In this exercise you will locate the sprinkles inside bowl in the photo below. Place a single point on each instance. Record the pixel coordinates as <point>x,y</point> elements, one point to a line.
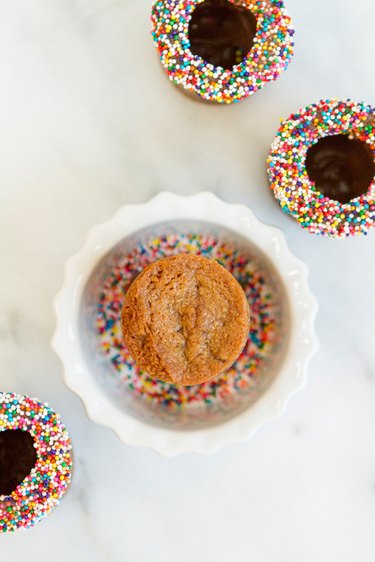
<point>245,379</point>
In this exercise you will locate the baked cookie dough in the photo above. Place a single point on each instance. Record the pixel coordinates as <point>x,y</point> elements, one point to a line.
<point>185,319</point>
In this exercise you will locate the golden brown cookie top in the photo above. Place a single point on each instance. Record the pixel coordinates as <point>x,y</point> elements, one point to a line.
<point>185,319</point>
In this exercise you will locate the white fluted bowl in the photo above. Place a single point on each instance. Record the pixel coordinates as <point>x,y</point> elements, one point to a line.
<point>197,419</point>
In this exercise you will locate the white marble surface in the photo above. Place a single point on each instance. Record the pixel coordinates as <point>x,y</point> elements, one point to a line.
<point>89,122</point>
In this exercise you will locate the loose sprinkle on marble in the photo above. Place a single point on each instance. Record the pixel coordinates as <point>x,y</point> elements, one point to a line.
<point>47,482</point>
<point>289,180</point>
<point>263,338</point>
<point>270,55</point>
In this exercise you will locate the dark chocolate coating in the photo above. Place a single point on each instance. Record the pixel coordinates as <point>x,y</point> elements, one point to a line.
<point>221,33</point>
<point>342,168</point>
<point>17,459</point>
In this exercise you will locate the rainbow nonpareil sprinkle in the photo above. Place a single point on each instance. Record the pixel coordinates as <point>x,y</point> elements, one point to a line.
<point>270,55</point>
<point>263,337</point>
<point>296,194</point>
<point>47,482</point>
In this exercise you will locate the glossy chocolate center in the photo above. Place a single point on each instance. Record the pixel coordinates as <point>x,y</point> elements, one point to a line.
<point>221,33</point>
<point>17,459</point>
<point>341,168</point>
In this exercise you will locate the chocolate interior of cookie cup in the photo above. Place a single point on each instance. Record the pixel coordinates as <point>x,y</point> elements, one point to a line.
<point>221,33</point>
<point>17,459</point>
<point>341,168</point>
<point>169,406</point>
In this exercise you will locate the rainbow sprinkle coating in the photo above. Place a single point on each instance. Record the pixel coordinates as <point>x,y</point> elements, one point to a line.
<point>270,55</point>
<point>41,491</point>
<point>296,193</point>
<point>264,336</point>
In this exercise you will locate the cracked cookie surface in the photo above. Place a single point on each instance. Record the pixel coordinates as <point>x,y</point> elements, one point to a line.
<point>185,319</point>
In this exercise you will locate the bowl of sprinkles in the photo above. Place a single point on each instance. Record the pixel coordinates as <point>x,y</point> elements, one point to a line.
<point>222,51</point>
<point>322,167</point>
<point>35,461</point>
<point>168,418</point>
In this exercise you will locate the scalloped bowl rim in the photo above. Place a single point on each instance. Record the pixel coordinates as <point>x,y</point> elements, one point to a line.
<point>168,207</point>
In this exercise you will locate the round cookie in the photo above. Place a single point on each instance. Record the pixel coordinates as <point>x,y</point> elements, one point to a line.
<point>222,50</point>
<point>35,461</point>
<point>185,319</point>
<point>321,167</point>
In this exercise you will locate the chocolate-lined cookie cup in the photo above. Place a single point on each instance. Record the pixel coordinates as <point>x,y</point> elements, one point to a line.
<point>222,51</point>
<point>35,461</point>
<point>322,166</point>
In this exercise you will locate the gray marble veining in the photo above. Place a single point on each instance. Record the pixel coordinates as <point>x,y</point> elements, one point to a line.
<point>88,122</point>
